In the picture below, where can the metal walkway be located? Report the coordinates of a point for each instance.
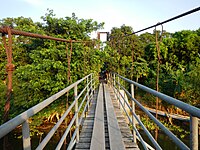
(105, 126)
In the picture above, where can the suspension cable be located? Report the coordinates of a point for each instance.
(166, 21)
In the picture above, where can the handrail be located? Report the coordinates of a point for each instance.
(139, 121)
(53, 130)
(186, 107)
(137, 132)
(73, 140)
(169, 133)
(72, 121)
(190, 109)
(23, 117)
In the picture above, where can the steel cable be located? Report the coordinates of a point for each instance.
(166, 21)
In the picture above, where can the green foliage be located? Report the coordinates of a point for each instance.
(41, 66)
(148, 124)
(136, 58)
(176, 129)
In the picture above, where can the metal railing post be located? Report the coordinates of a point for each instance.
(91, 84)
(109, 77)
(88, 87)
(133, 110)
(76, 113)
(193, 133)
(113, 80)
(119, 91)
(87, 94)
(26, 136)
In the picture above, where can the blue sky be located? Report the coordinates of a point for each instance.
(136, 13)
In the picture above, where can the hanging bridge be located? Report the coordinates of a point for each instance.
(104, 114)
(105, 119)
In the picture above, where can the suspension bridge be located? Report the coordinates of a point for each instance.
(104, 122)
(103, 113)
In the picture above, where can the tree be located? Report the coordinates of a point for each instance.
(42, 65)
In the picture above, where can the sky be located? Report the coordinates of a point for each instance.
(138, 14)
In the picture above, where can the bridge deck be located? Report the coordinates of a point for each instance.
(116, 133)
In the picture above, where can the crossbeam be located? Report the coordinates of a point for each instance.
(4, 30)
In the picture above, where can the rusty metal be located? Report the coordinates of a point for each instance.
(157, 85)
(84, 59)
(119, 51)
(157, 74)
(70, 61)
(99, 36)
(9, 68)
(34, 35)
(132, 66)
(69, 55)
